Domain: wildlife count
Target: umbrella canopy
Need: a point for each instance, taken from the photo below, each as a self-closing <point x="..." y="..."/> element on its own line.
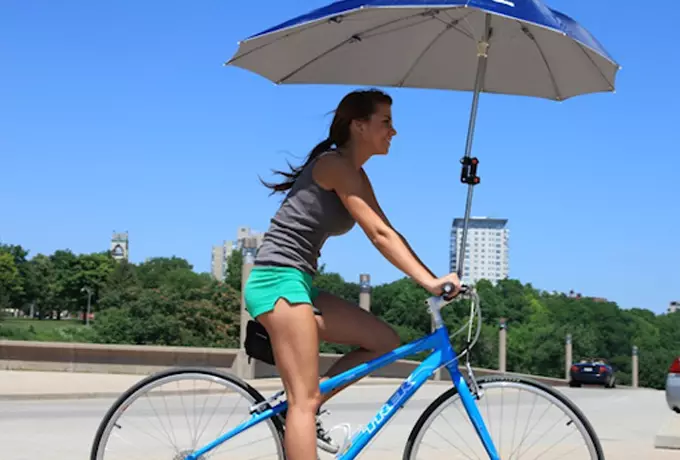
<point x="531" y="49"/>
<point x="519" y="47"/>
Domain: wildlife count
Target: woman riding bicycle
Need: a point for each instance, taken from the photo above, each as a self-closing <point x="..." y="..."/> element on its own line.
<point x="326" y="196"/>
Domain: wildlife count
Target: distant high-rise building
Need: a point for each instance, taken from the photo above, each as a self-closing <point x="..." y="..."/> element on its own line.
<point x="217" y="265"/>
<point x="120" y="246"/>
<point x="247" y="241"/>
<point x="673" y="306"/>
<point x="486" y="249"/>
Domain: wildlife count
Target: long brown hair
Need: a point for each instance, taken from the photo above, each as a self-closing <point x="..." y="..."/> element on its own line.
<point x="357" y="105"/>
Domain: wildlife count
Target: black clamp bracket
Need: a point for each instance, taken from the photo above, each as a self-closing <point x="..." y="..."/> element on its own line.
<point x="468" y="174"/>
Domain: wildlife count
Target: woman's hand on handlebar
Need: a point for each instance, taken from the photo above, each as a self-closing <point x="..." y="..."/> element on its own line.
<point x="436" y="287"/>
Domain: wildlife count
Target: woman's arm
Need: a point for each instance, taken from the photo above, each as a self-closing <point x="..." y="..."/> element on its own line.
<point x="382" y="214"/>
<point x="337" y="173"/>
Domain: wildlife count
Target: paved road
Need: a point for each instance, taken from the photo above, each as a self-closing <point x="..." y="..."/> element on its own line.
<point x="626" y="421"/>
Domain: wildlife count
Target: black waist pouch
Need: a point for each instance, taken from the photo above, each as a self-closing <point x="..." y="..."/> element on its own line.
<point x="258" y="344"/>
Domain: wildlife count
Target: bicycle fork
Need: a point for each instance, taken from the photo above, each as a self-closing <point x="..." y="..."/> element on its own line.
<point x="471" y="408"/>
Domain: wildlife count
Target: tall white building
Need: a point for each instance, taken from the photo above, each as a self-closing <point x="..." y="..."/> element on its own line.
<point x="486" y="249"/>
<point x="218" y="264"/>
<point x="221" y="254"/>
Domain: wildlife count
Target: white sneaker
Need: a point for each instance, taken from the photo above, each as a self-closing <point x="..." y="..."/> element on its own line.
<point x="323" y="440"/>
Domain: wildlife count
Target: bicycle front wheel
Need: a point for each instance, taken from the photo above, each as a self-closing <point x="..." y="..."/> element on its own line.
<point x="526" y="420"/>
<point x="170" y="414"/>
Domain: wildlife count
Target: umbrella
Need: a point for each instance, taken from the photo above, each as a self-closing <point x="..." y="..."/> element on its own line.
<point x="518" y="47"/>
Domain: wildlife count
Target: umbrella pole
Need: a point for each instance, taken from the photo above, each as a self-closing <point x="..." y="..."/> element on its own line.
<point x="468" y="175"/>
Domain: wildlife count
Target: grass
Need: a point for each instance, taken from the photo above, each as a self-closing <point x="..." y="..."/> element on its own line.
<point x="46" y="330"/>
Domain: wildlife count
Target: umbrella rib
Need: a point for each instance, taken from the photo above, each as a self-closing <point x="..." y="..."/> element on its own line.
<point x="293" y="32"/>
<point x="531" y="36"/>
<point x="455" y="22"/>
<point x="354" y="37"/>
<point x="611" y="85"/>
<point x="449" y="26"/>
<point x="396" y="29"/>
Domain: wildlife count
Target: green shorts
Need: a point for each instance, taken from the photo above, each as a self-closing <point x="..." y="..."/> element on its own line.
<point x="266" y="285"/>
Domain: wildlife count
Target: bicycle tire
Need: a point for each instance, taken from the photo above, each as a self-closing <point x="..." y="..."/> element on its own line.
<point x="232" y="379"/>
<point x="452" y="392"/>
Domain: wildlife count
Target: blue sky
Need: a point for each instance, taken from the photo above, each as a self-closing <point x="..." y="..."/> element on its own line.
<point x="120" y="116"/>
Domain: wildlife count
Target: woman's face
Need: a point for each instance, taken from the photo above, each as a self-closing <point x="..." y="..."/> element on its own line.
<point x="376" y="133"/>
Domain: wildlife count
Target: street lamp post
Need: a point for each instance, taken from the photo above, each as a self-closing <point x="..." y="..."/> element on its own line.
<point x="89" y="297"/>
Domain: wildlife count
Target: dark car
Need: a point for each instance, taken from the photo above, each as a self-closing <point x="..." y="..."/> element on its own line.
<point x="594" y="371"/>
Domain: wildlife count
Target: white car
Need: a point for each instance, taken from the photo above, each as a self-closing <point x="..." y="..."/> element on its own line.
<point x="673" y="385"/>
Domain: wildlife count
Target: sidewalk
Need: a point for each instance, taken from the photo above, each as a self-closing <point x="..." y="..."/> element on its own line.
<point x="23" y="385"/>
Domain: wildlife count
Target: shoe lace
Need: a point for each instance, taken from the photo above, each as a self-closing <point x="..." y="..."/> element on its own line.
<point x="325" y="435"/>
<point x="320" y="431"/>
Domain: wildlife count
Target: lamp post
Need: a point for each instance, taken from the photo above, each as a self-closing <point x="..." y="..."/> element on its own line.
<point x="502" y="345"/>
<point x="89" y="297"/>
<point x="635" y="366"/>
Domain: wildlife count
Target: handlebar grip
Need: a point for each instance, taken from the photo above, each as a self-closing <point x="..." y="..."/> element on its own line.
<point x="447" y="290"/>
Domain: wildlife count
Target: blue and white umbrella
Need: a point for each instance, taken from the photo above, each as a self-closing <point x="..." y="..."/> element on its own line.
<point x="519" y="47"/>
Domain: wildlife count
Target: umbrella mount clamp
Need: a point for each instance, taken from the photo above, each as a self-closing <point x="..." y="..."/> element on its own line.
<point x="468" y="174"/>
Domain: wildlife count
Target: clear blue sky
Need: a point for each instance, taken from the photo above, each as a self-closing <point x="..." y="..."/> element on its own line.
<point x="120" y="116"/>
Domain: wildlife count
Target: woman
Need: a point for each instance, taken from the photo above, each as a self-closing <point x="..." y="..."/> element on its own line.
<point x="326" y="196"/>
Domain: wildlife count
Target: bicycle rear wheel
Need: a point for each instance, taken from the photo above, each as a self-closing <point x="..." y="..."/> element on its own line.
<point x="170" y="414"/>
<point x="526" y="420"/>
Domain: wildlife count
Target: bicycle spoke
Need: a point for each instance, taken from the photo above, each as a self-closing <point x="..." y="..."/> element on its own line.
<point x="215" y="403"/>
<point x="543" y="434"/>
<point x="462" y="438"/>
<point x="172" y="440"/>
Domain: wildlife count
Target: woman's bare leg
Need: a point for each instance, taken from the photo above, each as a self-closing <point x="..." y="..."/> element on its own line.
<point x="295" y="342"/>
<point x="345" y="323"/>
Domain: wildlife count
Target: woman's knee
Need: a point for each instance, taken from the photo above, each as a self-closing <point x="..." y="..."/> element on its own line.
<point x="392" y="339"/>
<point x="304" y="399"/>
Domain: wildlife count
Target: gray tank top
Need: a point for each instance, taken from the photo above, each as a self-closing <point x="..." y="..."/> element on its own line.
<point x="308" y="216"/>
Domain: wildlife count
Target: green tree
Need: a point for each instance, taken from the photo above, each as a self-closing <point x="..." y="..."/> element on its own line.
<point x="234" y="270"/>
<point x="334" y="284"/>
<point x="10" y="281"/>
<point x="13" y="295"/>
<point x="156" y="272"/>
<point x="152" y="318"/>
<point x="121" y="287"/>
<point x="41" y="283"/>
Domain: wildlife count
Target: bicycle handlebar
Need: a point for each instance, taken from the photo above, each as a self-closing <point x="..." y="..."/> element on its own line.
<point x="449" y="288"/>
<point x="447" y="296"/>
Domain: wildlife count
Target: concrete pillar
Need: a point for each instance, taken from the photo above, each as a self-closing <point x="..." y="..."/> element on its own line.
<point x="502" y="345"/>
<point x="365" y="291"/>
<point x="567" y="357"/>
<point x="635" y="366"/>
<point x="244" y="369"/>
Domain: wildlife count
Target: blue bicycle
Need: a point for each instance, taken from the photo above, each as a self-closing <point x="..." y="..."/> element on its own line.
<point x="524" y="405"/>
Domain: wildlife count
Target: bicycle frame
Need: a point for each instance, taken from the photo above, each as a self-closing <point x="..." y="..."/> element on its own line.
<point x="442" y="355"/>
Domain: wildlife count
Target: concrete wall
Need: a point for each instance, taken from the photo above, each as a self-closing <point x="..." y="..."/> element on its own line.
<point x="145" y="359"/>
<point x="128" y="359"/>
